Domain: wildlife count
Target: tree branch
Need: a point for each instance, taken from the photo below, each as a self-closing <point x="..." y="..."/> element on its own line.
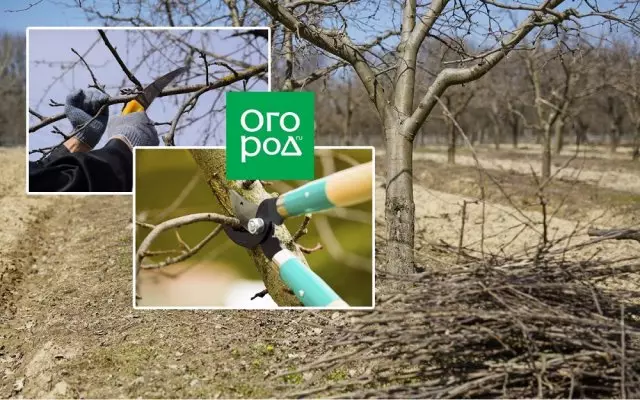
<point x="225" y="81"/>
<point x="113" y="51"/>
<point x="454" y="76"/>
<point x="177" y="222"/>
<point x="339" y="46"/>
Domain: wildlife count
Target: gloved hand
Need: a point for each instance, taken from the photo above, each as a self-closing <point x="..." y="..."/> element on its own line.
<point x="81" y="107"/>
<point x="136" y="129"/>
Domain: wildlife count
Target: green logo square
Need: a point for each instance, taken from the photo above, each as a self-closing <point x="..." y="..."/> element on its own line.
<point x="270" y="135"/>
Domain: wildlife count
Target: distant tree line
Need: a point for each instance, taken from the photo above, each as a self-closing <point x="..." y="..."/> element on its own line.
<point x="558" y="94"/>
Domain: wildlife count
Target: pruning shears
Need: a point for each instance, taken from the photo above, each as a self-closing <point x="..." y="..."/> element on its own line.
<point x="341" y="189"/>
<point x="149" y="94"/>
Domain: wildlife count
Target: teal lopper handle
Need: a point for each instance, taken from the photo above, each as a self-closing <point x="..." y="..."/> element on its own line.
<point x="308" y="287"/>
<point x="342" y="189"/>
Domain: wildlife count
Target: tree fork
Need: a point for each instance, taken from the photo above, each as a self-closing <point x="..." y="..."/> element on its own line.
<point x="212" y="163"/>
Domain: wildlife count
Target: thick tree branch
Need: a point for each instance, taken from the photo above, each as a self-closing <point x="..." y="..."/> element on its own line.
<point x="225" y="81"/>
<point x="455" y="76"/>
<point x="212" y="164"/>
<point x="339" y="46"/>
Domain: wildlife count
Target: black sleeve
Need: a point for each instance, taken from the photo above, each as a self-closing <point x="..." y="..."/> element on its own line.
<point x="56" y="153"/>
<point x="109" y="169"/>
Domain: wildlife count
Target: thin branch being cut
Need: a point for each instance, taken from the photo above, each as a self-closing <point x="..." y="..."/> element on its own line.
<point x="181" y="221"/>
<point x="96" y="84"/>
<point x="113" y="51"/>
<point x="185" y="253"/>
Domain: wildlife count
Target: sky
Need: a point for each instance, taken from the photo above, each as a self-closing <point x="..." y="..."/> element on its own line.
<point x="50" y="57"/>
<point x="45" y="13"/>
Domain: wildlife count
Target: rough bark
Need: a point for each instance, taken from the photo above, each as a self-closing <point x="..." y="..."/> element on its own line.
<point x="399" y="205"/>
<point x="213" y="167"/>
<point x="349" y="107"/>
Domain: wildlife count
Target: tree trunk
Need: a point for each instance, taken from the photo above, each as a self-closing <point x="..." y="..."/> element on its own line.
<point x="213" y="166"/>
<point x="614" y="139"/>
<point x="546" y="153"/>
<point x="581" y="134"/>
<point x="399" y="206"/>
<point x="451" y="148"/>
<point x="346" y="127"/>
<point x="558" y="137"/>
<point x="496" y="137"/>
<point x="635" y="154"/>
<point x="481" y="137"/>
<point x="515" y="128"/>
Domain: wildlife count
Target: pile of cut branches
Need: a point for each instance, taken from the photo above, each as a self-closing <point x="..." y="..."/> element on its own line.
<point x="526" y="328"/>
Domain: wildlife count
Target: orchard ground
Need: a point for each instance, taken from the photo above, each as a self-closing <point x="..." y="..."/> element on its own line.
<point x="67" y="327"/>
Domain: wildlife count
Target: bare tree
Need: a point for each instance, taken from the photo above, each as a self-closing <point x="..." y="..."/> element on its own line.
<point x="627" y="84"/>
<point x="391" y="88"/>
<point x="553" y="77"/>
<point x="385" y="58"/>
<point x="456" y="102"/>
<point x="12" y="89"/>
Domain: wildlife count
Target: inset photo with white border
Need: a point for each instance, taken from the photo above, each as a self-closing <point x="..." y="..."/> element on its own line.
<point x="204" y="242"/>
<point x="94" y="93"/>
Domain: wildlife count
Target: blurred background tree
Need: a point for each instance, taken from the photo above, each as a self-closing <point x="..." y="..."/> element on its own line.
<point x="12" y="89"/>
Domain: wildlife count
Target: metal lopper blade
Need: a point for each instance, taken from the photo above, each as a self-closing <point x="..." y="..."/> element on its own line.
<point x="155" y="88"/>
<point x="243" y="208"/>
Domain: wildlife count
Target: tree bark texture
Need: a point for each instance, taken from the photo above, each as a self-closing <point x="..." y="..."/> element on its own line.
<point x="399" y="205"/>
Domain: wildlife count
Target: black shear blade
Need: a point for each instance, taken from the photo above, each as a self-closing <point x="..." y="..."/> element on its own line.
<point x="154" y="89"/>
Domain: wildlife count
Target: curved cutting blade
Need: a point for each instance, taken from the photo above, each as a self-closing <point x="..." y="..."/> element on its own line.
<point x="155" y="88"/>
<point x="243" y="208"/>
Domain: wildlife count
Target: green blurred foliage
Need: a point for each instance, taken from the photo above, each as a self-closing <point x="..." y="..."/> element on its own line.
<point x="163" y="174"/>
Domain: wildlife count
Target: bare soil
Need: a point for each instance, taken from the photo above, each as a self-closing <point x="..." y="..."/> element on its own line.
<point x="611" y="173"/>
<point x="67" y="327"/>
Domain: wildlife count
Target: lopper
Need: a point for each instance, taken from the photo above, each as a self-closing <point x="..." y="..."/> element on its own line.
<point x="341" y="189"/>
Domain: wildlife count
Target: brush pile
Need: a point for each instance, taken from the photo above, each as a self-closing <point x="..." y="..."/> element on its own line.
<point x="543" y="327"/>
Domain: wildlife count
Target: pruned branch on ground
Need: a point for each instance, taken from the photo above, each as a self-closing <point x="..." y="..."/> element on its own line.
<point x="617" y="234"/>
<point x="532" y="328"/>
